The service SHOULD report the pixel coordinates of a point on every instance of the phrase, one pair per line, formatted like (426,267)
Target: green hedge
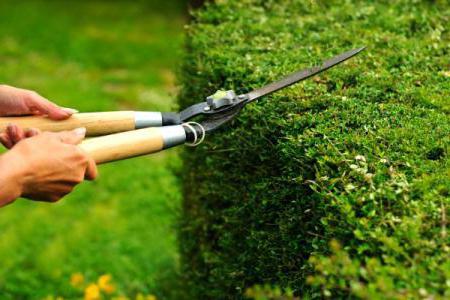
(336,187)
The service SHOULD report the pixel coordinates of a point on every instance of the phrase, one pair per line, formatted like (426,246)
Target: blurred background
(116,237)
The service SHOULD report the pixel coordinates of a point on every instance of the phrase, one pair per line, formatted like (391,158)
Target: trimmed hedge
(336,187)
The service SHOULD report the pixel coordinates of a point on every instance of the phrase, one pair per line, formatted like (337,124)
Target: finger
(91,170)
(5,140)
(39,105)
(32,132)
(73,137)
(15,133)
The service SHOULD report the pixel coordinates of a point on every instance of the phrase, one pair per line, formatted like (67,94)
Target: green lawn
(95,56)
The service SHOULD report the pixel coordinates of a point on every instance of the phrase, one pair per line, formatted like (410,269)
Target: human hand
(14,134)
(17,102)
(46,167)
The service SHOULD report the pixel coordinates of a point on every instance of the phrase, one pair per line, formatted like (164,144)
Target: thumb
(41,106)
(73,137)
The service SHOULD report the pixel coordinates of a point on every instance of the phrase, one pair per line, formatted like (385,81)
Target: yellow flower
(92,292)
(139,296)
(104,283)
(76,280)
(142,297)
(120,298)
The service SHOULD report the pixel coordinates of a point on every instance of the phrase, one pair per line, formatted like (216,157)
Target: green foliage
(358,155)
(94,56)
(267,292)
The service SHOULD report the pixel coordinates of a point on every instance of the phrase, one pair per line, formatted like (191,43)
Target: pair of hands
(39,166)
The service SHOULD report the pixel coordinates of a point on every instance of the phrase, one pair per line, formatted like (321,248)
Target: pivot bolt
(221,99)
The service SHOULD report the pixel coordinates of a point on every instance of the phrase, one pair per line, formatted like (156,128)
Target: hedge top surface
(336,186)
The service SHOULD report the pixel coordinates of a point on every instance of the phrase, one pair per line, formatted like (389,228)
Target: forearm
(10,180)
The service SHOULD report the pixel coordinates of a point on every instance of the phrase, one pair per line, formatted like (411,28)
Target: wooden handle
(96,123)
(124,145)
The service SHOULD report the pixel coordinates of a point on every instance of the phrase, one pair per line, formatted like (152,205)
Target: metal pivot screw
(220,99)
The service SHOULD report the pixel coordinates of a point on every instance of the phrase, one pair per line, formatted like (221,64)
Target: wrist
(12,174)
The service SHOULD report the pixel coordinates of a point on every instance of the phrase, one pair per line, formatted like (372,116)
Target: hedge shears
(125,134)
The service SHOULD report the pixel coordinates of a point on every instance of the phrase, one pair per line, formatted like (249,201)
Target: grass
(94,56)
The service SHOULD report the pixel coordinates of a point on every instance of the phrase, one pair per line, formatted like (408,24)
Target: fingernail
(69,110)
(80,131)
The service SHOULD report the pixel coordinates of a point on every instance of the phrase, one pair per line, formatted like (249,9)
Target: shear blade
(301,75)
